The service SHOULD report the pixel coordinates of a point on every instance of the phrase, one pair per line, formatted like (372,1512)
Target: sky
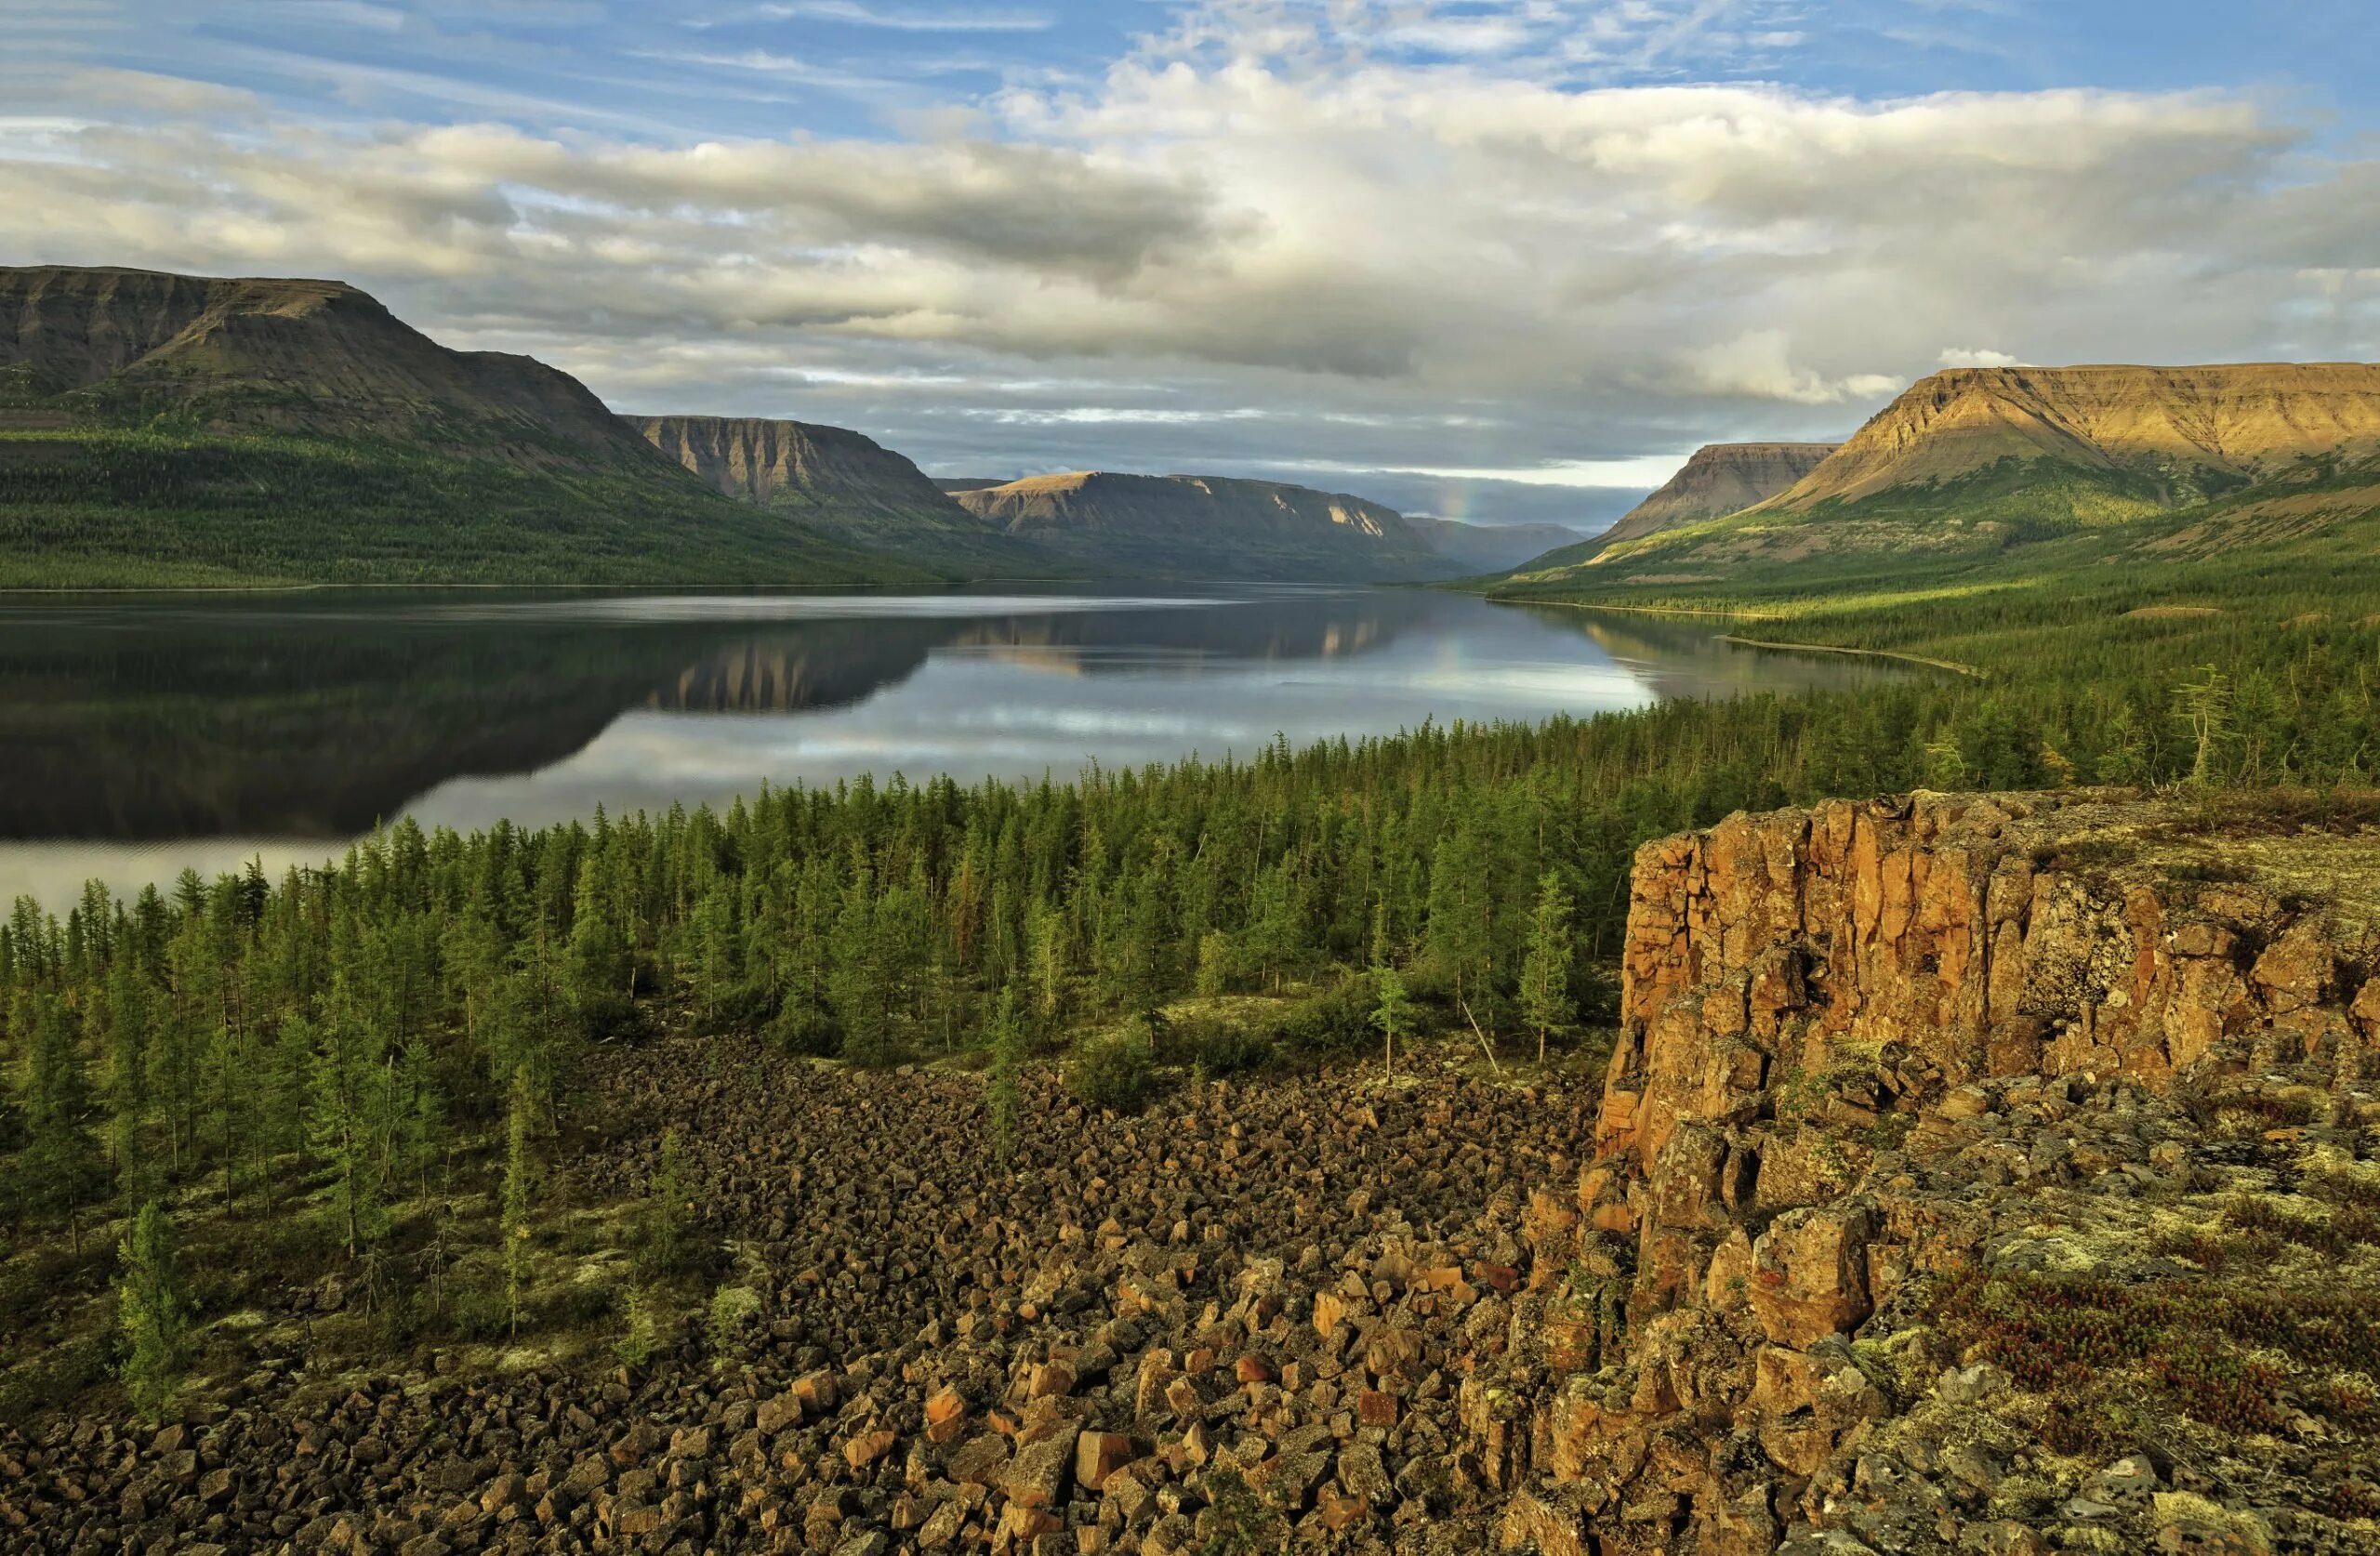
(1496,259)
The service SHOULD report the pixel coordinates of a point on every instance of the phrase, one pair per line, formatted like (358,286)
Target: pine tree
(520,1173)
(1045,931)
(60,1166)
(349,1096)
(1392,1013)
(128,1072)
(1460,939)
(150,1311)
(664,1235)
(1002,1092)
(2205,706)
(1546,973)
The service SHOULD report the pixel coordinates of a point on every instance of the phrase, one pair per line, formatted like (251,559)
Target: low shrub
(1114,1072)
(1334,1024)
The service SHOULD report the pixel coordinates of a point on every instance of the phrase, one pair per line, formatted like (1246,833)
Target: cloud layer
(1275,237)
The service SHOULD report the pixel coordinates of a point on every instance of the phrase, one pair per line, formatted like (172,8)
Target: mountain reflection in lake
(139,734)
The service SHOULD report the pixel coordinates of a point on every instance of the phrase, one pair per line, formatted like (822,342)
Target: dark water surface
(139,734)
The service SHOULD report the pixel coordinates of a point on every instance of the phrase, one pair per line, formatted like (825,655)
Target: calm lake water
(139,734)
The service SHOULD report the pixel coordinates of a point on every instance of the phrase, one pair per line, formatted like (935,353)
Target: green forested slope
(166,429)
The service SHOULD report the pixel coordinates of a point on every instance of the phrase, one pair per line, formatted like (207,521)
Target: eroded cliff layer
(796,465)
(1972,1174)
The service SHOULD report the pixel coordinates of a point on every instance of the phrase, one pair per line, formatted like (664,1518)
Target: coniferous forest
(357,1070)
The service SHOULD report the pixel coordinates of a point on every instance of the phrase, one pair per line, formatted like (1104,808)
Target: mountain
(969,483)
(287,356)
(172,429)
(1973,462)
(1718,480)
(840,481)
(1201,526)
(2172,434)
(1490,548)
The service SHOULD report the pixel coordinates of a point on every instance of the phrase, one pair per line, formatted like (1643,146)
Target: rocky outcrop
(834,479)
(1894,1079)
(1971,1175)
(1208,527)
(793,464)
(1718,480)
(2241,421)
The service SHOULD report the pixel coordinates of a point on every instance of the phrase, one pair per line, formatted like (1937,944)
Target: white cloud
(1961,356)
(1406,237)
(1758,365)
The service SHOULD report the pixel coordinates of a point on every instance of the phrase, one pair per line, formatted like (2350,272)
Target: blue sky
(1501,258)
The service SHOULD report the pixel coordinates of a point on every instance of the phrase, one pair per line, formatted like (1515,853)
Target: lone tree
(520,1174)
(1002,1093)
(1546,973)
(149,1307)
(2205,706)
(665,1239)
(1392,1014)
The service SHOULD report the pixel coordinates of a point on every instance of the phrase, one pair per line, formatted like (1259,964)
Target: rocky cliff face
(1719,479)
(800,467)
(1208,526)
(1935,1138)
(2241,421)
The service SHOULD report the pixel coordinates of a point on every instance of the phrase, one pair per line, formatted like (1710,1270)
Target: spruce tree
(128,1070)
(1546,973)
(59,1166)
(1002,1089)
(1392,1012)
(520,1172)
(149,1311)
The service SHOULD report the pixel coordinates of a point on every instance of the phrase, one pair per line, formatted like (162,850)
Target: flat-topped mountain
(170,430)
(2187,428)
(302,356)
(1970,462)
(836,478)
(1490,548)
(1208,526)
(1718,480)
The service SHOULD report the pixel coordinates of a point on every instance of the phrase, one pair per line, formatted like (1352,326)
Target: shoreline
(1951,664)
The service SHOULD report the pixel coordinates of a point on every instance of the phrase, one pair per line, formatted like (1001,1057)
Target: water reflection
(142,734)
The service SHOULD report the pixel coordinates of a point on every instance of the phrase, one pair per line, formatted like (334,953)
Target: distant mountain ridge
(842,481)
(1720,478)
(1181,525)
(1490,548)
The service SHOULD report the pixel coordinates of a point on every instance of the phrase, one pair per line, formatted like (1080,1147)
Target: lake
(141,734)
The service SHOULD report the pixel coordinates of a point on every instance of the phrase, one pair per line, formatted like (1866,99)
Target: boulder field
(1981,1174)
